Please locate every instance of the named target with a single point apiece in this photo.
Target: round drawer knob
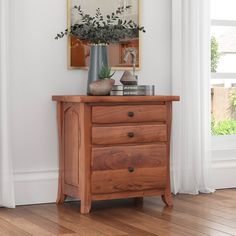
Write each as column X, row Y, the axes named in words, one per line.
column 130, row 114
column 131, row 169
column 131, row 134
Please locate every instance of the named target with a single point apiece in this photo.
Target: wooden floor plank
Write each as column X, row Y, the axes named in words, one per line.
column 208, row 214
column 69, row 218
column 185, row 220
column 203, row 212
column 43, row 222
column 8, row 229
column 119, row 224
column 149, row 223
column 27, row 226
column 212, row 203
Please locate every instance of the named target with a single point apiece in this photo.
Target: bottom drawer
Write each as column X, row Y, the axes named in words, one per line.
column 113, row 181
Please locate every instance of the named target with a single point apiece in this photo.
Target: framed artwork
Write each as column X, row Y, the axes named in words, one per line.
column 79, row 51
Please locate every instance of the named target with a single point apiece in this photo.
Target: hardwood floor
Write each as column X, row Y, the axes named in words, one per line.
column 213, row 214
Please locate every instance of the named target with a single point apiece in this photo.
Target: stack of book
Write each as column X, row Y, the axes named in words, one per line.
column 133, row 90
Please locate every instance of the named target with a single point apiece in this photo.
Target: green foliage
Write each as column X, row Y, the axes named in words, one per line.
column 233, row 99
column 215, row 55
column 101, row 29
column 226, row 127
column 105, row 73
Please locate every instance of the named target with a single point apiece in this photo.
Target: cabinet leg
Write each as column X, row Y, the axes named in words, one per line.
column 60, row 117
column 167, row 198
column 138, row 200
column 85, row 206
column 61, row 198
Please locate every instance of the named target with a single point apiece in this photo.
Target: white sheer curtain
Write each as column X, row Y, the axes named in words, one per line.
column 191, row 80
column 6, row 175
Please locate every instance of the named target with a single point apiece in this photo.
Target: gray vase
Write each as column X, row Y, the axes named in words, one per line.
column 98, row 58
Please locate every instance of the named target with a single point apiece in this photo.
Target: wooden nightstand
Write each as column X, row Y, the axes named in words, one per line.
column 114, row 147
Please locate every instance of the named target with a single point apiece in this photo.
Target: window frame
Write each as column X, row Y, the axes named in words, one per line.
column 223, row 22
column 223, row 146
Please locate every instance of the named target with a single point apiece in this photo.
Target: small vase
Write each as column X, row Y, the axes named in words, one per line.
column 98, row 58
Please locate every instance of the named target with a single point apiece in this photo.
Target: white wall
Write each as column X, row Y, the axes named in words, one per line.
column 39, row 70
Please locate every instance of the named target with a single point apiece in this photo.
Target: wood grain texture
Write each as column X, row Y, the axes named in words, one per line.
column 8, row 229
column 115, row 99
column 121, row 134
column 126, row 114
column 71, row 190
column 60, row 120
column 71, row 146
column 167, row 197
column 205, row 214
column 128, row 194
column 85, row 158
column 124, row 180
column 122, row 157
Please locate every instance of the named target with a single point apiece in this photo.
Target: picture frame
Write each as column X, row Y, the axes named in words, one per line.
column 79, row 51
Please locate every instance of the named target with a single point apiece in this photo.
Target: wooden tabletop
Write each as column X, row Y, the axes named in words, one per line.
column 111, row 99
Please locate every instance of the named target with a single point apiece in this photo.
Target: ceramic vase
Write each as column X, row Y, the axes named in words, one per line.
column 98, row 58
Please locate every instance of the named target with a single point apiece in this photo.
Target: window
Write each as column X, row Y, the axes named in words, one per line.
column 223, row 67
column 223, row 81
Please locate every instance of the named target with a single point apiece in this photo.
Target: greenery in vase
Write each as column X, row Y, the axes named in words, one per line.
column 105, row 73
column 101, row 29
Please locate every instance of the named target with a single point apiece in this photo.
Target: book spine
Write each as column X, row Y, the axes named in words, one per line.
column 130, row 87
column 131, row 93
column 135, row 93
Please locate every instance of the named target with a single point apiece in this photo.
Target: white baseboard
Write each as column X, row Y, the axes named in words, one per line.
column 223, row 174
column 35, row 187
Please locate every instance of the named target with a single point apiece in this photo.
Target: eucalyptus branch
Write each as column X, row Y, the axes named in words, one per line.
column 103, row 29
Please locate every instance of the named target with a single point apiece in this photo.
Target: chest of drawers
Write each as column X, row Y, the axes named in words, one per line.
column 114, row 147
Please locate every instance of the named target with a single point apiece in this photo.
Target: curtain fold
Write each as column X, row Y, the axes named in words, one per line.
column 191, row 146
column 6, row 172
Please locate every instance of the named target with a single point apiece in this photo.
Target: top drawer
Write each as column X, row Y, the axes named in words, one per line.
column 134, row 113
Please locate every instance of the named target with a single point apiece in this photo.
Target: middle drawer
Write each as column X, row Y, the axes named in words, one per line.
column 129, row 134
column 124, row 157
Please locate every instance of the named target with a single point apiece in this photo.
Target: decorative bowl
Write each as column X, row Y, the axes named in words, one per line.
column 101, row 87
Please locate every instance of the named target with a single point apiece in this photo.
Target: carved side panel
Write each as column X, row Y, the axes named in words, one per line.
column 71, row 141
